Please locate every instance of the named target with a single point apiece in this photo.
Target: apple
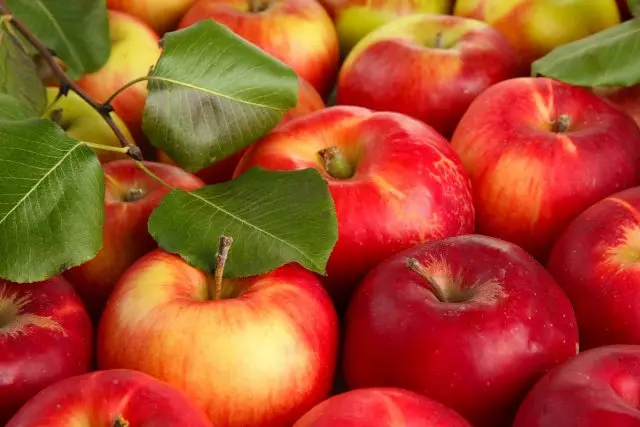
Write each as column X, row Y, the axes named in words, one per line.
column 45, row 336
column 135, row 48
column 381, row 407
column 539, row 152
column 599, row 387
column 626, row 98
column 429, row 67
column 80, row 121
column 308, row 100
column 596, row 261
column 130, row 197
column 394, row 180
column 258, row 351
column 299, row 33
column 161, row 15
column 623, row 7
column 469, row 321
column 535, row 27
column 114, row 398
column 356, row 18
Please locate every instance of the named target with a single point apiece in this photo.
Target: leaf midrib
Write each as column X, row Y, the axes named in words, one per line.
column 62, row 34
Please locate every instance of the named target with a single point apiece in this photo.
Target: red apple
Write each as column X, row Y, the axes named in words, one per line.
column 161, row 15
column 599, row 387
column 45, row 336
column 427, row 66
column 381, row 407
column 596, row 262
column 540, row 152
column 300, row 33
column 623, row 7
column 626, row 98
column 260, row 353
column 115, row 398
column 394, row 180
column 135, row 47
column 308, row 100
column 469, row 321
column 130, row 197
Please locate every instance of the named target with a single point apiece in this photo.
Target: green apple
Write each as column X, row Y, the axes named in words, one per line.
column 80, row 121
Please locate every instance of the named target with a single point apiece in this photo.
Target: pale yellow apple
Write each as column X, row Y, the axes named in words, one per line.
column 80, row 121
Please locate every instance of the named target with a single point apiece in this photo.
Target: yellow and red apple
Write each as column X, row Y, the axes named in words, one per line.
column 625, row 97
column 299, row 33
column 161, row 15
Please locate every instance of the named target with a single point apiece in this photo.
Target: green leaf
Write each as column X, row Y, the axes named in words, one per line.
column 77, row 31
column 634, row 7
column 51, row 201
column 213, row 93
column 12, row 109
column 18, row 74
column 608, row 58
column 274, row 218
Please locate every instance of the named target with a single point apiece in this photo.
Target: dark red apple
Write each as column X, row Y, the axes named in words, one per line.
column 45, row 336
column 599, row 387
column 469, row 321
column 113, row 398
column 381, row 407
column 395, row 182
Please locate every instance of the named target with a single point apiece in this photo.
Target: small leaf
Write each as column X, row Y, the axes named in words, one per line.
column 51, row 201
column 274, row 218
column 12, row 109
column 18, row 73
column 608, row 58
column 213, row 93
column 77, row 32
column 634, row 7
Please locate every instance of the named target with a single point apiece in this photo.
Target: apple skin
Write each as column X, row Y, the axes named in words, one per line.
column 125, row 235
column 80, row 121
column 477, row 353
column 381, row 407
column 529, row 182
column 595, row 261
column 308, row 101
column 135, row 48
column 160, row 15
column 299, row 33
column 599, row 387
column 45, row 336
column 398, row 67
column 626, row 98
column 386, row 206
column 117, row 398
column 262, row 356
column 535, row 27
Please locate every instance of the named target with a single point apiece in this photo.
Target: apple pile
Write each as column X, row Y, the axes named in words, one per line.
column 487, row 266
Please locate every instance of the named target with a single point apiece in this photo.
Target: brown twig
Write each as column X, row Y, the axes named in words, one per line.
column 224, row 244
column 67, row 84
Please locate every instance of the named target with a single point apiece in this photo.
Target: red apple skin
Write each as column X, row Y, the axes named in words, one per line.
column 398, row 68
column 386, row 206
column 262, row 359
column 125, row 235
column 381, row 407
column 626, row 98
column 596, row 262
column 117, row 397
column 300, row 33
column 308, row 101
column 529, row 182
column 45, row 336
column 599, row 387
column 480, row 356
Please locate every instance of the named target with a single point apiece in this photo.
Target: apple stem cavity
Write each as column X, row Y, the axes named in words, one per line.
column 336, row 164
column 120, row 421
column 415, row 266
column 256, row 6
column 134, row 194
column 561, row 124
column 224, row 245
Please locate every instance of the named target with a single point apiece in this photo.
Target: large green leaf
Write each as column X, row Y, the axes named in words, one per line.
column 274, row 218
column 51, row 201
column 78, row 30
column 12, row 109
column 18, row 74
column 213, row 93
column 608, row 58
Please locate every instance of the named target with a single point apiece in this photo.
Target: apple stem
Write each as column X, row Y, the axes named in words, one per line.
column 120, row 422
column 562, row 124
column 438, row 42
column 66, row 84
column 336, row 164
column 415, row 266
column 224, row 244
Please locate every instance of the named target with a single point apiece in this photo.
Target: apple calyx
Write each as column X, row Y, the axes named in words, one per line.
column 561, row 124
column 120, row 421
column 335, row 163
column 257, row 6
column 215, row 286
column 134, row 194
column 56, row 117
